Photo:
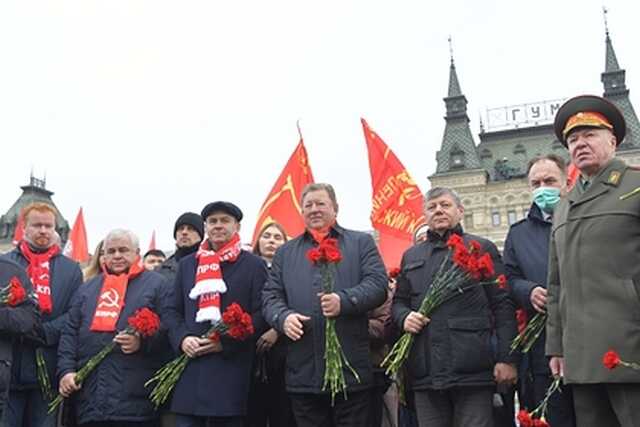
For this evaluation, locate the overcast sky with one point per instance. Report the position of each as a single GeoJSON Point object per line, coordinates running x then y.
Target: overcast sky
{"type": "Point", "coordinates": [140, 110]}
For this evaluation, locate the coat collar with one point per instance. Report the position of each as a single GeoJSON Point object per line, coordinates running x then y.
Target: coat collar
{"type": "Point", "coordinates": [439, 240]}
{"type": "Point", "coordinates": [609, 177]}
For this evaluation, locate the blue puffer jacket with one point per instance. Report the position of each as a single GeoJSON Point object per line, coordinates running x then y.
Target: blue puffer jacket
{"type": "Point", "coordinates": [115, 390]}
{"type": "Point", "coordinates": [66, 277]}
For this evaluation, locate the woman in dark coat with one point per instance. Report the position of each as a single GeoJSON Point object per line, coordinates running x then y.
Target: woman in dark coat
{"type": "Point", "coordinates": [269, 404]}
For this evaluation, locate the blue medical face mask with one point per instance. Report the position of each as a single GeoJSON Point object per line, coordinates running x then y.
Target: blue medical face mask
{"type": "Point", "coordinates": [546, 198]}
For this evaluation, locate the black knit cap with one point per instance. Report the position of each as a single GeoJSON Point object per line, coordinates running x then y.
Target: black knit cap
{"type": "Point", "coordinates": [226, 207]}
{"type": "Point", "coordinates": [192, 219]}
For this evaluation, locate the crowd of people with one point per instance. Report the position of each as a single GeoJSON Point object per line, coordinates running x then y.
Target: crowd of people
{"type": "Point", "coordinates": [573, 259]}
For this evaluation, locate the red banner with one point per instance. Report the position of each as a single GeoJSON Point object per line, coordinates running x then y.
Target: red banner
{"type": "Point", "coordinates": [77, 247]}
{"type": "Point", "coordinates": [18, 234]}
{"type": "Point", "coordinates": [397, 200]}
{"type": "Point", "coordinates": [283, 202]}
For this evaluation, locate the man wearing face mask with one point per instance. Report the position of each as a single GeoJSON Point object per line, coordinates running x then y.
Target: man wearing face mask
{"type": "Point", "coordinates": [593, 285]}
{"type": "Point", "coordinates": [526, 254]}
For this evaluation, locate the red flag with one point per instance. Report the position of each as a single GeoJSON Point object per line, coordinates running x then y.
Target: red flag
{"type": "Point", "coordinates": [77, 247]}
{"type": "Point", "coordinates": [18, 234]}
{"type": "Point", "coordinates": [397, 200]}
{"type": "Point", "coordinates": [152, 243]}
{"type": "Point", "coordinates": [283, 202]}
{"type": "Point", "coordinates": [572, 176]}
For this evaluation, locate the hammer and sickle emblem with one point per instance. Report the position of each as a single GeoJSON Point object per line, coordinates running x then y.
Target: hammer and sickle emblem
{"type": "Point", "coordinates": [109, 299]}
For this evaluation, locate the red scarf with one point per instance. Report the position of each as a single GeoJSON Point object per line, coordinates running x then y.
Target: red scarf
{"type": "Point", "coordinates": [111, 298]}
{"type": "Point", "coordinates": [320, 234]}
{"type": "Point", "coordinates": [39, 273]}
{"type": "Point", "coordinates": [209, 283]}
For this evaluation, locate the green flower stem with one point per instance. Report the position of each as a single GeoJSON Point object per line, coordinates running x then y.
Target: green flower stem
{"type": "Point", "coordinates": [84, 372]}
{"type": "Point", "coordinates": [449, 282]}
{"type": "Point", "coordinates": [43, 375]}
{"type": "Point", "coordinates": [334, 357]}
{"type": "Point", "coordinates": [528, 337]}
{"type": "Point", "coordinates": [541, 410]}
{"type": "Point", "coordinates": [167, 377]}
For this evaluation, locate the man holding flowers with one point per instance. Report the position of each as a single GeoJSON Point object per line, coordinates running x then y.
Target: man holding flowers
{"type": "Point", "coordinates": [526, 256]}
{"type": "Point", "coordinates": [212, 389]}
{"type": "Point", "coordinates": [452, 367]}
{"type": "Point", "coordinates": [55, 279]}
{"type": "Point", "coordinates": [103, 312]}
{"type": "Point", "coordinates": [19, 316]}
{"type": "Point", "coordinates": [321, 287]}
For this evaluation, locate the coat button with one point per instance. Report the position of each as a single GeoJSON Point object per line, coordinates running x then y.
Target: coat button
{"type": "Point", "coordinates": [353, 300]}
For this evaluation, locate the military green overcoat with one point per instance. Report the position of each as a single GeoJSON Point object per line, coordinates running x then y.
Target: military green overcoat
{"type": "Point", "coordinates": [594, 277]}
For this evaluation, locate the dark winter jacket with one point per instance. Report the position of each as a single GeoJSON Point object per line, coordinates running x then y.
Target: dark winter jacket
{"type": "Point", "coordinates": [526, 257]}
{"type": "Point", "coordinates": [294, 284]}
{"type": "Point", "coordinates": [216, 384]}
{"type": "Point", "coordinates": [455, 348]}
{"type": "Point", "coordinates": [169, 268]}
{"type": "Point", "coordinates": [115, 390]}
{"type": "Point", "coordinates": [15, 322]}
{"type": "Point", "coordinates": [66, 278]}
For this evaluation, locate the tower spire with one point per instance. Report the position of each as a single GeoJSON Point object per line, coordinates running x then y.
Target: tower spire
{"type": "Point", "coordinates": [454, 84]}
{"type": "Point", "coordinates": [458, 150]}
{"type": "Point", "coordinates": [616, 91]}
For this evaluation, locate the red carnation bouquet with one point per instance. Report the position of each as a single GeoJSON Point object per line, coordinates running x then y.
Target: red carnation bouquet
{"type": "Point", "coordinates": [235, 323]}
{"type": "Point", "coordinates": [143, 322]}
{"type": "Point", "coordinates": [13, 293]}
{"type": "Point", "coordinates": [611, 360]}
{"type": "Point", "coordinates": [536, 418]}
{"type": "Point", "coordinates": [326, 255]}
{"type": "Point", "coordinates": [464, 268]}
{"type": "Point", "coordinates": [530, 334]}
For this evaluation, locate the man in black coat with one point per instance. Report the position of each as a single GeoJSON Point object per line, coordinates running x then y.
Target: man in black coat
{"type": "Point", "coordinates": [55, 280]}
{"type": "Point", "coordinates": [526, 257]}
{"type": "Point", "coordinates": [294, 304]}
{"type": "Point", "coordinates": [188, 232]}
{"type": "Point", "coordinates": [452, 367]}
{"type": "Point", "coordinates": [214, 386]}
{"type": "Point", "coordinates": [114, 395]}
{"type": "Point", "coordinates": [15, 323]}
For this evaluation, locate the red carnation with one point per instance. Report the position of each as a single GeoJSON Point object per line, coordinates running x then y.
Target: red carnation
{"type": "Point", "coordinates": [475, 246]}
{"type": "Point", "coordinates": [332, 255]}
{"type": "Point", "coordinates": [485, 266]}
{"type": "Point", "coordinates": [246, 321]}
{"type": "Point", "coordinates": [145, 322]}
{"type": "Point", "coordinates": [455, 241]}
{"type": "Point", "coordinates": [524, 418]}
{"type": "Point", "coordinates": [214, 336]}
{"type": "Point", "coordinates": [502, 281]}
{"type": "Point", "coordinates": [314, 255]}
{"type": "Point", "coordinates": [232, 314]}
{"type": "Point", "coordinates": [461, 257]}
{"type": "Point", "coordinates": [17, 294]}
{"type": "Point", "coordinates": [540, 423]}
{"type": "Point", "coordinates": [393, 273]}
{"type": "Point", "coordinates": [239, 332]}
{"type": "Point", "coordinates": [472, 268]}
{"type": "Point", "coordinates": [611, 359]}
